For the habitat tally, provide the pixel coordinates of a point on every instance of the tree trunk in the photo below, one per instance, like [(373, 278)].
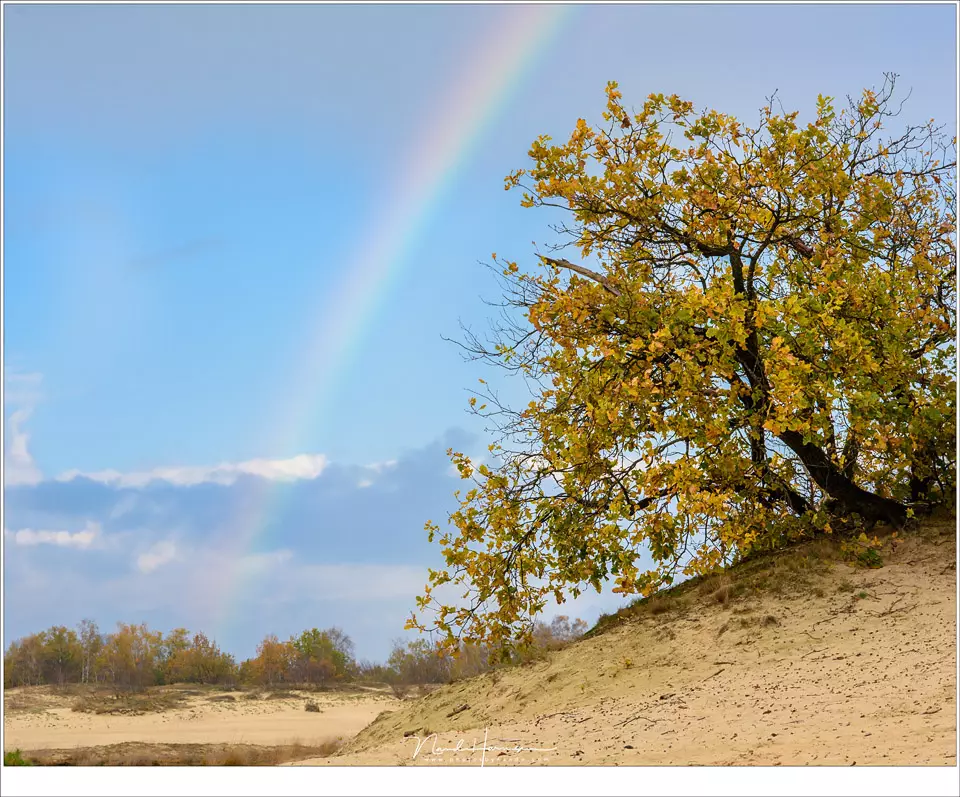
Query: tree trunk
[(831, 479), (851, 498)]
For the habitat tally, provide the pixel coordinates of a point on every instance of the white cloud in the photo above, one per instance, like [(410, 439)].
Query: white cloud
[(159, 555), (374, 470), (21, 392), (18, 464), (303, 466), (76, 539)]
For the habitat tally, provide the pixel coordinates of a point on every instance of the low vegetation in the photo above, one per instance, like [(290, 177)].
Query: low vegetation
[(14, 758), (794, 570), (130, 703), (174, 755)]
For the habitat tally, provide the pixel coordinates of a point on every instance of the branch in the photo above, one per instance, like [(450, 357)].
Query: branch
[(585, 272), (802, 249)]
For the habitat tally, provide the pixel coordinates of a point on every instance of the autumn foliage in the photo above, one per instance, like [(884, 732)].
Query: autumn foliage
[(755, 344), (135, 657)]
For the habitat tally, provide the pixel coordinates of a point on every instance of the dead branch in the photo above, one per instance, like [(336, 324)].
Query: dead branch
[(584, 272)]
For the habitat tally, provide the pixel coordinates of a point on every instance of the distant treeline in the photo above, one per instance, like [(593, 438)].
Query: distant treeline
[(134, 656)]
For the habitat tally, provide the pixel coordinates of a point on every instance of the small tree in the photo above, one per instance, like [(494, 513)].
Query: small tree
[(322, 655), (758, 344), (419, 662), (274, 661), (201, 662), (62, 655), (469, 661), (130, 655), (558, 633), (23, 661), (172, 655), (91, 643)]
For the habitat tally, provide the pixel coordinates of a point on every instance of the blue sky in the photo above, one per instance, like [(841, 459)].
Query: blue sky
[(186, 191)]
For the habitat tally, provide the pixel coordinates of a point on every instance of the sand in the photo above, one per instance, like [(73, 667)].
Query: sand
[(201, 720)]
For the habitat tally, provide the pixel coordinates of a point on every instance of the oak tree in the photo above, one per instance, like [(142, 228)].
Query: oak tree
[(753, 342)]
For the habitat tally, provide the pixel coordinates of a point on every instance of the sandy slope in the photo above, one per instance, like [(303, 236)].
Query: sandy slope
[(827, 676), (263, 722)]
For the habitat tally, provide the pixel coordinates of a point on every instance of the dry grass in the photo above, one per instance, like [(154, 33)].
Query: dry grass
[(722, 594), (793, 571), (139, 754), (33, 699), (22, 702), (145, 702)]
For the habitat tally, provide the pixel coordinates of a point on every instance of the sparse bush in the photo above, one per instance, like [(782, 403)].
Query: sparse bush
[(14, 758), (419, 662), (863, 551), (722, 595), (131, 702), (312, 707), (660, 605)]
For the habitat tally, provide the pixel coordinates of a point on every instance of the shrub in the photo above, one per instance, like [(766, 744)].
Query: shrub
[(14, 758), (863, 552)]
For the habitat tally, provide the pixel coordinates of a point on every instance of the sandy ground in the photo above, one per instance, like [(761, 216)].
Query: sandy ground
[(860, 670), (54, 725)]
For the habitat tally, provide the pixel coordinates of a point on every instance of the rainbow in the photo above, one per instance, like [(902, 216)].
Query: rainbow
[(470, 105)]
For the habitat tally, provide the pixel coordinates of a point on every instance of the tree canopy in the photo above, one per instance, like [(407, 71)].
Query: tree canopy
[(756, 343)]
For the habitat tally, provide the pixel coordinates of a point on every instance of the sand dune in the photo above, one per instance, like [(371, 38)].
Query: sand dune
[(849, 666)]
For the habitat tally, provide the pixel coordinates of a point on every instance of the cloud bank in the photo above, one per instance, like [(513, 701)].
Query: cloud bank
[(237, 550), (304, 466)]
